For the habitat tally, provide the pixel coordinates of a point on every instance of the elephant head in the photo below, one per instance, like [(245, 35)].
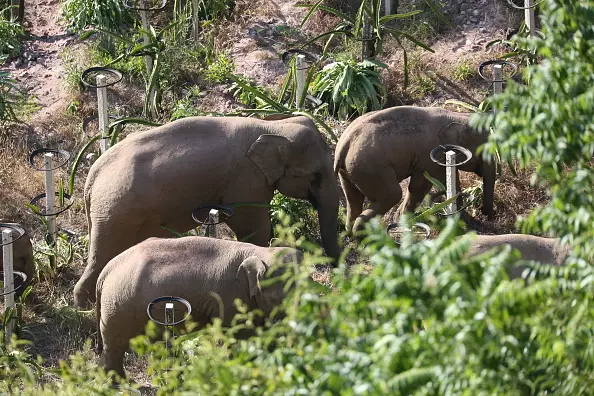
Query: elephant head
[(460, 133), (251, 271), (297, 162)]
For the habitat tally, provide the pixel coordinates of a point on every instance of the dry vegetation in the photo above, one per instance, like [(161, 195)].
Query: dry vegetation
[(58, 330)]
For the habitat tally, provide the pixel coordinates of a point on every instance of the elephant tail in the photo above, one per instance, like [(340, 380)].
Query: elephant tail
[(98, 318), (339, 156)]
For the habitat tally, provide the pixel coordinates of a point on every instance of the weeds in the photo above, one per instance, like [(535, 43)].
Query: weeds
[(10, 97), (463, 71), (217, 71), (423, 86), (11, 34)]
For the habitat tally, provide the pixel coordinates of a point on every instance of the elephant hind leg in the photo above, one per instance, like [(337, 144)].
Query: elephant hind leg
[(384, 192), (112, 358), (354, 198)]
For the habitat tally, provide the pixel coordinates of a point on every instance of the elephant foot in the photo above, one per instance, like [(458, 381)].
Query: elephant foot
[(82, 298)]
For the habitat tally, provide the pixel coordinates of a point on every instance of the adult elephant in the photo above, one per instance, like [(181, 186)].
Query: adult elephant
[(532, 248), (382, 148), (155, 179)]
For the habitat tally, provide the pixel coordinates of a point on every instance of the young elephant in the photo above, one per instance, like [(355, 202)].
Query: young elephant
[(534, 248), (191, 268), (155, 179), (382, 148), (22, 255)]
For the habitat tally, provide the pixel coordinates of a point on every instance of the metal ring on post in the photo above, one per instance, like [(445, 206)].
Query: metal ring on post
[(504, 63), (309, 57), (225, 213), (443, 148), (61, 153), (461, 208), (93, 72), (144, 8), (35, 200), (422, 226), (19, 230), (511, 3), (171, 299), (87, 121), (18, 274)]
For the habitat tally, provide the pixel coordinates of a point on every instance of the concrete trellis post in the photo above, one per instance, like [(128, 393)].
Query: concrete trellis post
[(14, 11), (102, 105), (148, 59), (50, 195), (387, 7), (169, 318), (7, 258), (530, 17), (195, 20), (497, 79), (213, 220), (451, 180), (301, 73), (367, 46)]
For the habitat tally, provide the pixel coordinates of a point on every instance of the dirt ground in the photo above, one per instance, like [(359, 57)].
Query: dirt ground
[(256, 41)]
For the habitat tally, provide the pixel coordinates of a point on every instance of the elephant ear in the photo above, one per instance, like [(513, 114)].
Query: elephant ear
[(453, 133), (269, 153), (254, 269)]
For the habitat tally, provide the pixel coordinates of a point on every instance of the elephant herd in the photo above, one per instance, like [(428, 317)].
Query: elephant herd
[(150, 183)]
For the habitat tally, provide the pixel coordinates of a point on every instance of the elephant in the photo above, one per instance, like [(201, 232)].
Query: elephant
[(532, 248), (192, 268), (22, 251), (380, 149), (153, 180)]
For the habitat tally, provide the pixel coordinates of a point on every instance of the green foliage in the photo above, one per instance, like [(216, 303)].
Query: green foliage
[(549, 124), (106, 14), (351, 87), (463, 71), (247, 97), (218, 70), (10, 97), (132, 67), (11, 34), (380, 26), (273, 106), (423, 85), (300, 213)]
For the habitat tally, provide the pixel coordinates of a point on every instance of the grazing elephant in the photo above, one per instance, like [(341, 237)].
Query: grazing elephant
[(22, 255), (155, 179), (532, 248), (382, 148), (191, 268)]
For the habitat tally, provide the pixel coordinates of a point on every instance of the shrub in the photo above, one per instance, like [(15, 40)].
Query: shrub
[(299, 212), (349, 87), (10, 37), (106, 14)]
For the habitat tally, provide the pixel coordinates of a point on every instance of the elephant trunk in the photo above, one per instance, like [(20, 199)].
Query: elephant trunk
[(489, 176), (327, 206)]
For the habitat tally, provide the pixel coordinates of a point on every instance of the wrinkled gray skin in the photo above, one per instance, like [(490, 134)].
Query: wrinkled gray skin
[(190, 268), (22, 255), (382, 148), (534, 248), (157, 178)]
